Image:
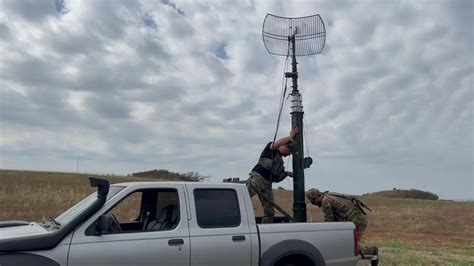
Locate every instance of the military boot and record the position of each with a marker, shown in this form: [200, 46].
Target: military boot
[370, 252]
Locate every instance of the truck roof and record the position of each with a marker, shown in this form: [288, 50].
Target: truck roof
[161, 183]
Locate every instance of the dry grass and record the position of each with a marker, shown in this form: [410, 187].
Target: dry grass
[34, 196]
[418, 222]
[408, 231]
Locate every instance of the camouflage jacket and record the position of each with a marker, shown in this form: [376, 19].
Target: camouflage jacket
[340, 207]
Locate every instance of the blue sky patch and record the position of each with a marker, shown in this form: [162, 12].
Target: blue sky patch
[220, 51]
[61, 7]
[148, 20]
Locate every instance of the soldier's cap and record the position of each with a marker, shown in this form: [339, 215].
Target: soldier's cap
[312, 193]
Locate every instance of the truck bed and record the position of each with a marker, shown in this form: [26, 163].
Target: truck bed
[333, 240]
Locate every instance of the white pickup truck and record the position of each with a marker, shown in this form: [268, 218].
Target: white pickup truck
[176, 223]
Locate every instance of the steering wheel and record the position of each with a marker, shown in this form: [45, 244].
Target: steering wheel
[116, 224]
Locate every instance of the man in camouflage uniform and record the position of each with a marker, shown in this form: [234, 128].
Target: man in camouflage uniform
[268, 170]
[340, 207]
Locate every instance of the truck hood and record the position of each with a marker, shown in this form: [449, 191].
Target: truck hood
[30, 229]
[18, 236]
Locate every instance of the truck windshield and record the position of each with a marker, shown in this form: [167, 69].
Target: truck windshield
[75, 210]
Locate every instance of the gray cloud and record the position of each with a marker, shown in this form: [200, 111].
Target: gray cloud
[185, 86]
[31, 10]
[4, 31]
[108, 108]
[173, 5]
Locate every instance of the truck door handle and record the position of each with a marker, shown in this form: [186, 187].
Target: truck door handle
[175, 242]
[238, 238]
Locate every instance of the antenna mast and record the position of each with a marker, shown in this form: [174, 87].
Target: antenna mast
[305, 36]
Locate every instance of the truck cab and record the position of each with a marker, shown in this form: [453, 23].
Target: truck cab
[145, 225]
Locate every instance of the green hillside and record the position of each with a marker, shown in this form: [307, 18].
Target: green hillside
[404, 194]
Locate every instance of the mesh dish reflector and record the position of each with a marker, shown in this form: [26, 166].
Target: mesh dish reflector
[309, 32]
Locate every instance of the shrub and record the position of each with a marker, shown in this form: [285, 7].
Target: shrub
[410, 194]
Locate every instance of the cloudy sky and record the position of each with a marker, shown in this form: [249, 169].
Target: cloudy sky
[132, 85]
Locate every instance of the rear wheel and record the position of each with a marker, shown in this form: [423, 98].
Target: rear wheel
[295, 260]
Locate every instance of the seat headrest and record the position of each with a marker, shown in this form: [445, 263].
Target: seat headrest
[175, 214]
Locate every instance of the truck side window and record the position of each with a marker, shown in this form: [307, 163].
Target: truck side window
[144, 210]
[129, 209]
[217, 208]
[166, 211]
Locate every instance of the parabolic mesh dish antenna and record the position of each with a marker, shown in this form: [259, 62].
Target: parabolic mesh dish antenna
[309, 33]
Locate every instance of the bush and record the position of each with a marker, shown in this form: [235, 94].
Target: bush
[167, 175]
[193, 176]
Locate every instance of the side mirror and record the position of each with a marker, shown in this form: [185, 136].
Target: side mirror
[95, 228]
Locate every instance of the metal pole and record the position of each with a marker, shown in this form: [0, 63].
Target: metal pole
[299, 205]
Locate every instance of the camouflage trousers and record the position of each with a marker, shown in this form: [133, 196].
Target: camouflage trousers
[360, 221]
[255, 183]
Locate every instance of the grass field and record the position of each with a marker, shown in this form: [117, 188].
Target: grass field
[407, 231]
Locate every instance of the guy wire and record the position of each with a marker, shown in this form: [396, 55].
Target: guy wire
[282, 98]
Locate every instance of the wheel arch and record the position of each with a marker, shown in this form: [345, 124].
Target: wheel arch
[291, 247]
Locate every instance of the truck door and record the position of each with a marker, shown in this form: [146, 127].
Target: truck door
[142, 227]
[219, 227]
